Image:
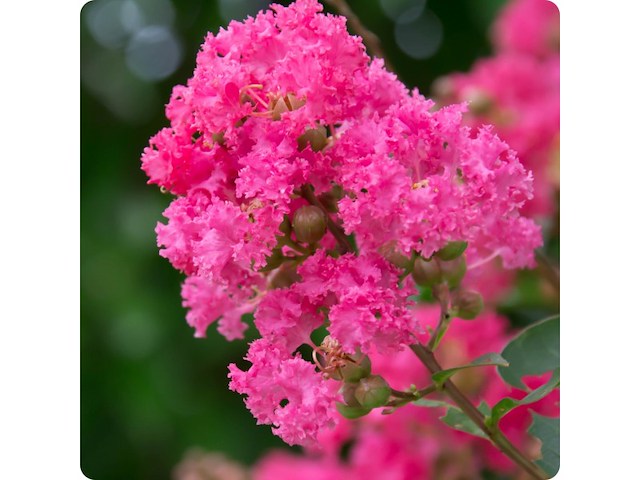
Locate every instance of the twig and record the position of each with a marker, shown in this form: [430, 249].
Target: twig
[370, 39]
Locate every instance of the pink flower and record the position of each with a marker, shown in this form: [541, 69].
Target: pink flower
[418, 180]
[366, 306]
[280, 465]
[287, 318]
[209, 302]
[531, 27]
[520, 94]
[286, 392]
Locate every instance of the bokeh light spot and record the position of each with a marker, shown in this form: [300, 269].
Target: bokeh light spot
[402, 10]
[420, 38]
[153, 53]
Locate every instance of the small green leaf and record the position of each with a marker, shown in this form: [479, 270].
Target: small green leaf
[534, 351]
[425, 402]
[456, 418]
[484, 361]
[547, 429]
[484, 408]
[505, 405]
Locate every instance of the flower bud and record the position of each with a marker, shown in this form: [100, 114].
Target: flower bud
[426, 273]
[354, 371]
[316, 138]
[285, 277]
[389, 252]
[309, 224]
[348, 391]
[453, 271]
[451, 250]
[373, 391]
[467, 304]
[351, 412]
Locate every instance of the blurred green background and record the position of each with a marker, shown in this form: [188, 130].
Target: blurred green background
[150, 391]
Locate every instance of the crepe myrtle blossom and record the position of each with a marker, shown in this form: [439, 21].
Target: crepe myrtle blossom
[530, 27]
[518, 91]
[287, 121]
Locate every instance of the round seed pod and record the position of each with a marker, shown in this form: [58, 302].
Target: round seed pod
[309, 224]
[467, 304]
[427, 273]
[373, 391]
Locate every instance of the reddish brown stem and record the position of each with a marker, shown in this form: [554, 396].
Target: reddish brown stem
[307, 193]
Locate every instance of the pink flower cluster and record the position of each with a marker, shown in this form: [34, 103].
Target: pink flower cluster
[518, 91]
[413, 443]
[285, 392]
[364, 308]
[287, 103]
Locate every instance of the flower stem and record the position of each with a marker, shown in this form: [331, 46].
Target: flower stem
[440, 293]
[418, 394]
[427, 357]
[306, 191]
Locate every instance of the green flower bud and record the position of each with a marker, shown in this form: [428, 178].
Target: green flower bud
[453, 271]
[316, 138]
[373, 391]
[348, 391]
[426, 273]
[352, 372]
[274, 260]
[351, 412]
[451, 251]
[467, 304]
[309, 224]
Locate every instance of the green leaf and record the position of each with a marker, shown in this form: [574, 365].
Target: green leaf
[425, 402]
[484, 361]
[505, 405]
[547, 429]
[534, 351]
[456, 418]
